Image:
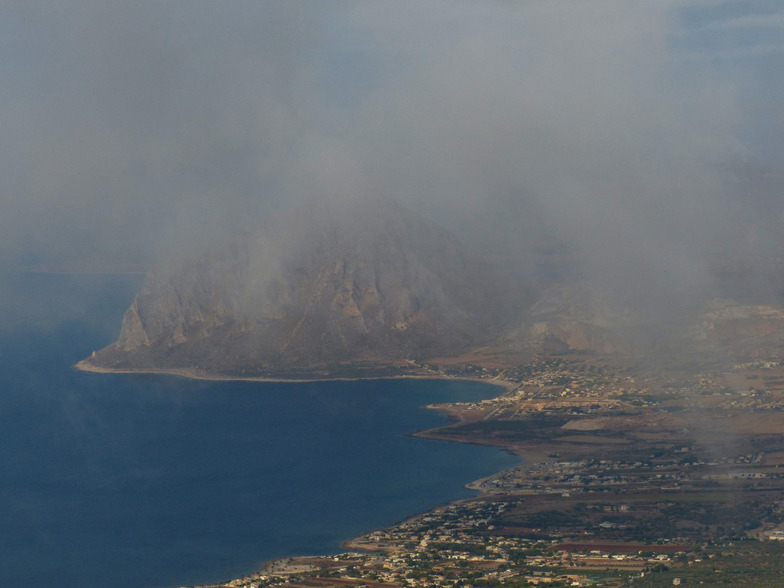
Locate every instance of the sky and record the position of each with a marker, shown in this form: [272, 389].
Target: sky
[134, 130]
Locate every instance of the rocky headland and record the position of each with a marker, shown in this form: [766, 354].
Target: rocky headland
[374, 290]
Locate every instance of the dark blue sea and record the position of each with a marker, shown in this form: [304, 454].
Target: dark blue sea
[154, 481]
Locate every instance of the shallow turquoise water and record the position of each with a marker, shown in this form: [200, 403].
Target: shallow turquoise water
[109, 480]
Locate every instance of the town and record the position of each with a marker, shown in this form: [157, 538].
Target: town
[627, 478]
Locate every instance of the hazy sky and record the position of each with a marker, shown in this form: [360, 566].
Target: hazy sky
[129, 127]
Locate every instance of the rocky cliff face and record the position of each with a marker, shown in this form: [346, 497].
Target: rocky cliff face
[372, 282]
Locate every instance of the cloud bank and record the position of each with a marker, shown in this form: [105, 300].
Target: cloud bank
[605, 128]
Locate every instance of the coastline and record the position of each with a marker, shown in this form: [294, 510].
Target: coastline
[193, 374]
[354, 543]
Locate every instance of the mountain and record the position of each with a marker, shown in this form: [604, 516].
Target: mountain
[368, 288]
[318, 287]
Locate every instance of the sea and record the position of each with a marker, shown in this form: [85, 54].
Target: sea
[150, 481]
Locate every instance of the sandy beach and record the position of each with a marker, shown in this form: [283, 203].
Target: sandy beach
[194, 374]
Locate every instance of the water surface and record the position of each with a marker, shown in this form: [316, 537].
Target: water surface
[145, 481]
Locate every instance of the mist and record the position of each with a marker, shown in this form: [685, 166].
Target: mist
[636, 140]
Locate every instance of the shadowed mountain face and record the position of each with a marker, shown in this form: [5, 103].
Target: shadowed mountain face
[372, 282]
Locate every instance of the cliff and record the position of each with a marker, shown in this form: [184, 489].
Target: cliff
[367, 283]
[326, 291]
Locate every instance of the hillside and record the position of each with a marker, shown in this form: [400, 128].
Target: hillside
[368, 283]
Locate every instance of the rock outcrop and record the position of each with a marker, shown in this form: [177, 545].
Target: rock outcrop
[368, 283]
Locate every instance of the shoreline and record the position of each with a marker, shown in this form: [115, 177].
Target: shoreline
[353, 544]
[192, 374]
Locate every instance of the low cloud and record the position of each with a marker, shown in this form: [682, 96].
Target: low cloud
[135, 131]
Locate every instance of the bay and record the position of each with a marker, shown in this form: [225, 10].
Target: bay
[152, 481]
